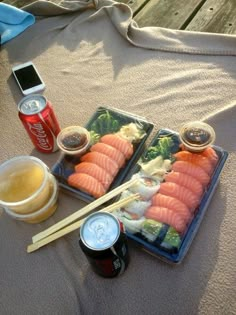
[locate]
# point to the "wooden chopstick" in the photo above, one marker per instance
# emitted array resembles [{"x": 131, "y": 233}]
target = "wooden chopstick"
[
  {"x": 34, "y": 246},
  {"x": 78, "y": 214}
]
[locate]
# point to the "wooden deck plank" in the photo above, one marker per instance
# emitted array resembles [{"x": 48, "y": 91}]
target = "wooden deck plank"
[
  {"x": 168, "y": 13},
  {"x": 215, "y": 16},
  {"x": 135, "y": 5}
]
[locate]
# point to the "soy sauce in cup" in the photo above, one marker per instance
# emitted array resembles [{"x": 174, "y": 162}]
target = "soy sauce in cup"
[
  {"x": 73, "y": 140},
  {"x": 196, "y": 136}
]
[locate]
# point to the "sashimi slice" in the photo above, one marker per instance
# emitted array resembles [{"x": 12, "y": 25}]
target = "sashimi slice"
[
  {"x": 195, "y": 158},
  {"x": 87, "y": 184},
  {"x": 101, "y": 160},
  {"x": 167, "y": 216},
  {"x": 108, "y": 150},
  {"x": 211, "y": 154},
  {"x": 119, "y": 143},
  {"x": 183, "y": 194},
  {"x": 173, "y": 204},
  {"x": 191, "y": 170},
  {"x": 95, "y": 171},
  {"x": 185, "y": 180}
]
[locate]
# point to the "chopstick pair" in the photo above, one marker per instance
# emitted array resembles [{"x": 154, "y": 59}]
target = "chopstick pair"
[{"x": 64, "y": 226}]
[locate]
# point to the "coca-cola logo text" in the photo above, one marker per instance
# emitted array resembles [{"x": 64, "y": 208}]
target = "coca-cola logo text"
[{"x": 38, "y": 131}]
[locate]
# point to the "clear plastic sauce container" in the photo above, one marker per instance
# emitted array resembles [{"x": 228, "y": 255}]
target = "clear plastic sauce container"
[
  {"x": 196, "y": 136},
  {"x": 73, "y": 140}
]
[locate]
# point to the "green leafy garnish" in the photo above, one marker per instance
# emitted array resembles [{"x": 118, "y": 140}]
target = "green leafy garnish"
[
  {"x": 165, "y": 148},
  {"x": 94, "y": 137},
  {"x": 105, "y": 123}
]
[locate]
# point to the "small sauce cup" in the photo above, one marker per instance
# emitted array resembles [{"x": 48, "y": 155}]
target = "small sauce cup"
[
  {"x": 196, "y": 136},
  {"x": 73, "y": 140}
]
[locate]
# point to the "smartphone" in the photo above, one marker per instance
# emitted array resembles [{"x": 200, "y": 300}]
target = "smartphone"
[{"x": 28, "y": 78}]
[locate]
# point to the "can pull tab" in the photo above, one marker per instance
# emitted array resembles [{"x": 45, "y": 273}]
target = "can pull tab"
[
  {"x": 122, "y": 263},
  {"x": 33, "y": 106}
]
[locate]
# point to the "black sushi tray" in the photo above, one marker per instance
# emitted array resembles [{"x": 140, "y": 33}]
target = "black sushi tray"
[
  {"x": 167, "y": 253},
  {"x": 65, "y": 165}
]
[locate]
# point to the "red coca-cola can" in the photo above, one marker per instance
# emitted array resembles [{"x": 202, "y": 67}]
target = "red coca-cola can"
[{"x": 40, "y": 122}]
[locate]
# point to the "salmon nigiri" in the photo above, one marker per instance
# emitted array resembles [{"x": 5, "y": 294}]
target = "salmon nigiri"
[
  {"x": 172, "y": 203},
  {"x": 119, "y": 143},
  {"x": 95, "y": 171},
  {"x": 192, "y": 170},
  {"x": 185, "y": 180},
  {"x": 195, "y": 158},
  {"x": 211, "y": 154},
  {"x": 87, "y": 184},
  {"x": 101, "y": 160},
  {"x": 167, "y": 216},
  {"x": 183, "y": 194},
  {"x": 110, "y": 151}
]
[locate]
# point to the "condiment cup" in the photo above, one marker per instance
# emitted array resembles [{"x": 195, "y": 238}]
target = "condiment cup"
[
  {"x": 196, "y": 136},
  {"x": 73, "y": 140}
]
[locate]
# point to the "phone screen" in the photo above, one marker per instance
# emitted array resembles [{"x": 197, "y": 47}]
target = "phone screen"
[{"x": 27, "y": 77}]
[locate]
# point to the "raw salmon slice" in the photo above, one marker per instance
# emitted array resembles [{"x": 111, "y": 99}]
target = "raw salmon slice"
[
  {"x": 108, "y": 150},
  {"x": 119, "y": 143},
  {"x": 101, "y": 160},
  {"x": 192, "y": 170},
  {"x": 167, "y": 216},
  {"x": 173, "y": 204},
  {"x": 183, "y": 194},
  {"x": 185, "y": 180},
  {"x": 86, "y": 183},
  {"x": 211, "y": 154},
  {"x": 95, "y": 171},
  {"x": 195, "y": 158}
]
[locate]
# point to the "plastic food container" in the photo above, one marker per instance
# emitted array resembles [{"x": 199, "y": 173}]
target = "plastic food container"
[
  {"x": 73, "y": 140},
  {"x": 104, "y": 121},
  {"x": 166, "y": 223},
  {"x": 25, "y": 183},
  {"x": 43, "y": 213},
  {"x": 196, "y": 136}
]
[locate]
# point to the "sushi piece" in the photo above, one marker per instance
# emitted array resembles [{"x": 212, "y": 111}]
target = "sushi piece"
[
  {"x": 195, "y": 158},
  {"x": 101, "y": 160},
  {"x": 119, "y": 143},
  {"x": 192, "y": 170},
  {"x": 132, "y": 226},
  {"x": 151, "y": 229},
  {"x": 95, "y": 171},
  {"x": 110, "y": 151},
  {"x": 185, "y": 180},
  {"x": 180, "y": 192},
  {"x": 211, "y": 154},
  {"x": 146, "y": 187},
  {"x": 171, "y": 241},
  {"x": 86, "y": 183},
  {"x": 172, "y": 203},
  {"x": 167, "y": 216},
  {"x": 136, "y": 207}
]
